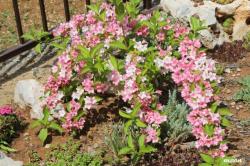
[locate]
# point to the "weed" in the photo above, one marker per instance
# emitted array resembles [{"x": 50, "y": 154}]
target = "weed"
[{"x": 244, "y": 93}]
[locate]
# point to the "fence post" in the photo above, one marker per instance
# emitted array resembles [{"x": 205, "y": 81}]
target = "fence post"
[
  {"x": 18, "y": 21},
  {"x": 88, "y": 2},
  {"x": 43, "y": 15},
  {"x": 66, "y": 9},
  {"x": 147, "y": 4}
]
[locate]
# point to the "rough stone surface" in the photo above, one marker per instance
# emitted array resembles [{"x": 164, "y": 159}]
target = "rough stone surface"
[
  {"x": 27, "y": 94},
  {"x": 6, "y": 161},
  {"x": 184, "y": 9}
]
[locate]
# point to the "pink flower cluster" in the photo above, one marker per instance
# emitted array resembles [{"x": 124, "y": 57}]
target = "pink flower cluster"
[
  {"x": 92, "y": 29},
  {"x": 195, "y": 73},
  {"x": 6, "y": 110},
  {"x": 71, "y": 121}
]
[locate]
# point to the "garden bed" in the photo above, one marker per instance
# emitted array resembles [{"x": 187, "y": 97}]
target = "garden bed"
[{"x": 134, "y": 89}]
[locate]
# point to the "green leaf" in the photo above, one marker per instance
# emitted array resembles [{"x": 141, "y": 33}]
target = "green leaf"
[
  {"x": 214, "y": 107},
  {"x": 124, "y": 115},
  {"x": 46, "y": 115},
  {"x": 38, "y": 48},
  {"x": 225, "y": 122},
  {"x": 147, "y": 149},
  {"x": 96, "y": 49},
  {"x": 59, "y": 46},
  {"x": 35, "y": 124},
  {"x": 98, "y": 99},
  {"x": 114, "y": 62},
  {"x": 6, "y": 148},
  {"x": 94, "y": 8},
  {"x": 209, "y": 129},
  {"x": 125, "y": 150},
  {"x": 120, "y": 11},
  {"x": 56, "y": 127},
  {"x": 136, "y": 109},
  {"x": 196, "y": 24},
  {"x": 130, "y": 142},
  {"x": 207, "y": 158},
  {"x": 205, "y": 164},
  {"x": 43, "y": 134},
  {"x": 224, "y": 111},
  {"x": 141, "y": 141},
  {"x": 127, "y": 125},
  {"x": 28, "y": 36},
  {"x": 84, "y": 50},
  {"x": 118, "y": 44},
  {"x": 139, "y": 123}
]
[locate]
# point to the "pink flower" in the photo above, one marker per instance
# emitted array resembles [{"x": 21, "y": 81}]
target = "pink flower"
[
  {"x": 101, "y": 88},
  {"x": 143, "y": 31},
  {"x": 6, "y": 110},
  {"x": 160, "y": 36},
  {"x": 88, "y": 85},
  {"x": 145, "y": 98},
  {"x": 151, "y": 135},
  {"x": 115, "y": 77},
  {"x": 152, "y": 117},
  {"x": 90, "y": 102}
]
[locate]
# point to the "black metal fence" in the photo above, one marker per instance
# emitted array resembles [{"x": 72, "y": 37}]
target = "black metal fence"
[{"x": 26, "y": 45}]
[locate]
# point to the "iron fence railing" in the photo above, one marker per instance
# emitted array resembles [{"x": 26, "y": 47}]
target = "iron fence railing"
[{"x": 26, "y": 45}]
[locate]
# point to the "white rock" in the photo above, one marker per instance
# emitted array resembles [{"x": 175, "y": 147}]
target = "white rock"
[
  {"x": 6, "y": 161},
  {"x": 27, "y": 94},
  {"x": 184, "y": 9}
]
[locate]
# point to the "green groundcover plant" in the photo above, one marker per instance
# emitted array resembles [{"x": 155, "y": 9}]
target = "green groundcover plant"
[
  {"x": 113, "y": 49},
  {"x": 244, "y": 93},
  {"x": 9, "y": 124}
]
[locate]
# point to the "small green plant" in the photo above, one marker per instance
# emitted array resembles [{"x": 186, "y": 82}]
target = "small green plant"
[
  {"x": 70, "y": 154},
  {"x": 224, "y": 1},
  {"x": 37, "y": 35},
  {"x": 218, "y": 161},
  {"x": 246, "y": 43},
  {"x": 4, "y": 146},
  {"x": 244, "y": 93},
  {"x": 176, "y": 128},
  {"x": 136, "y": 147},
  {"x": 116, "y": 140},
  {"x": 196, "y": 25},
  {"x": 135, "y": 142},
  {"x": 45, "y": 125},
  {"x": 219, "y": 69},
  {"x": 9, "y": 124},
  {"x": 228, "y": 25}
]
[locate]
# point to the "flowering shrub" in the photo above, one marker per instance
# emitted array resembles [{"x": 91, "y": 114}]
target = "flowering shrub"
[{"x": 114, "y": 49}]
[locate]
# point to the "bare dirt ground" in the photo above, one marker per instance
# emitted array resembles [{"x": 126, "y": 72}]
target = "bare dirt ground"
[{"x": 239, "y": 135}]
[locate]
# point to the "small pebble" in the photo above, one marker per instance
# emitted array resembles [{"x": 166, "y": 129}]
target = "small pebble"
[
  {"x": 47, "y": 146},
  {"x": 240, "y": 106},
  {"x": 238, "y": 69},
  {"x": 232, "y": 104},
  {"x": 238, "y": 74},
  {"x": 26, "y": 134},
  {"x": 234, "y": 75},
  {"x": 227, "y": 70},
  {"x": 228, "y": 91},
  {"x": 237, "y": 108}
]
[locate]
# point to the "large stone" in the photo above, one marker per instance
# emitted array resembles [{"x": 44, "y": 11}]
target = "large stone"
[
  {"x": 27, "y": 94},
  {"x": 6, "y": 161},
  {"x": 239, "y": 9}
]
